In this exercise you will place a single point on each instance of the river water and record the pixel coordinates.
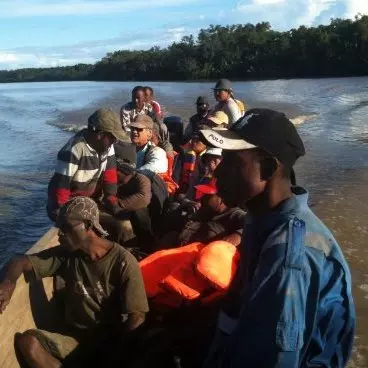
(36, 119)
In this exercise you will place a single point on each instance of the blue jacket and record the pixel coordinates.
(296, 307)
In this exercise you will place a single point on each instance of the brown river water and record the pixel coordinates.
(331, 115)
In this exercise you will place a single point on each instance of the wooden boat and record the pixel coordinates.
(30, 306)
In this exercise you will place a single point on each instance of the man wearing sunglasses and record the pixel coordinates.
(104, 295)
(151, 159)
(86, 164)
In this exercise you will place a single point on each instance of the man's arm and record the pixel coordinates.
(13, 270)
(141, 198)
(125, 117)
(273, 320)
(133, 294)
(110, 181)
(233, 111)
(59, 188)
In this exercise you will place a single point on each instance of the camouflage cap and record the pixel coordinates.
(106, 120)
(81, 209)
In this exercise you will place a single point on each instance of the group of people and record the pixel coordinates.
(122, 191)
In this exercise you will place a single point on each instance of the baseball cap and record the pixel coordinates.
(213, 151)
(203, 189)
(126, 157)
(267, 129)
(81, 209)
(223, 84)
(202, 100)
(143, 122)
(106, 120)
(219, 117)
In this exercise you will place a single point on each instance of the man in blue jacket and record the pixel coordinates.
(291, 304)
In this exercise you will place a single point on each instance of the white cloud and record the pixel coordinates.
(285, 14)
(313, 8)
(24, 8)
(88, 52)
(7, 57)
(353, 7)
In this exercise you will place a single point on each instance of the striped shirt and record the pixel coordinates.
(81, 170)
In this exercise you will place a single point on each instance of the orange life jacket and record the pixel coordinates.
(193, 272)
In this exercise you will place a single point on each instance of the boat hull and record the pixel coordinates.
(30, 306)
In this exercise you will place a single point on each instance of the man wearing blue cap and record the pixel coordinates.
(291, 304)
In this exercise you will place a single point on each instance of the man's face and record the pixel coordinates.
(106, 140)
(140, 136)
(123, 178)
(210, 162)
(202, 108)
(221, 95)
(139, 99)
(239, 177)
(72, 235)
(147, 95)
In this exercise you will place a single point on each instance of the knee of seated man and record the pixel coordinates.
(27, 343)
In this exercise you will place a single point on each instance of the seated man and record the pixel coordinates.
(209, 162)
(104, 296)
(190, 171)
(86, 164)
(137, 106)
(197, 119)
(148, 92)
(151, 159)
(210, 221)
(134, 194)
(292, 304)
(223, 93)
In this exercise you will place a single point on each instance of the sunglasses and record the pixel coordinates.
(134, 129)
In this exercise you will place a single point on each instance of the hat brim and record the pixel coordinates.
(226, 139)
(61, 220)
(140, 125)
(216, 121)
(100, 229)
(120, 135)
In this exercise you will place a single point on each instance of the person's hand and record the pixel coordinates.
(6, 292)
(233, 238)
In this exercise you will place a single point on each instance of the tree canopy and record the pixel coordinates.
(243, 51)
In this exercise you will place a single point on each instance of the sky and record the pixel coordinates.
(40, 33)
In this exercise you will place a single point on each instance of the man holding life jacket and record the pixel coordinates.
(223, 93)
(214, 220)
(296, 306)
(104, 297)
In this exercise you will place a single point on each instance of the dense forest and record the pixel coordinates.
(236, 52)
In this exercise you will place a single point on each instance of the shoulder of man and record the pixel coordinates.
(76, 145)
(128, 106)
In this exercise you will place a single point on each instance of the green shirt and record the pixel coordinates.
(98, 292)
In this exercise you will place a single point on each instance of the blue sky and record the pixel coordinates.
(37, 33)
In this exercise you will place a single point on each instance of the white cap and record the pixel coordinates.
(214, 151)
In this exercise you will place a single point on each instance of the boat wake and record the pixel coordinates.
(298, 120)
